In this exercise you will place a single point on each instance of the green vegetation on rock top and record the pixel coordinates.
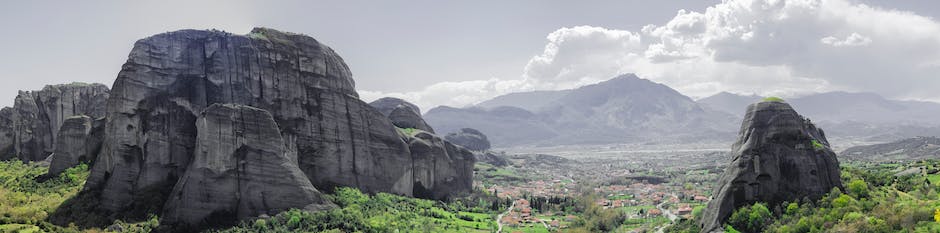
(773, 99)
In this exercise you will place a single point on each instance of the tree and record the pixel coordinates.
(751, 218)
(858, 188)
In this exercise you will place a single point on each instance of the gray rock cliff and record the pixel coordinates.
(779, 156)
(441, 169)
(240, 169)
(155, 134)
(37, 115)
(6, 134)
(78, 140)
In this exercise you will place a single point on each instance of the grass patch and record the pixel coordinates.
(409, 131)
(817, 145)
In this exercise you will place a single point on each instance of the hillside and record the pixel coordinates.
(866, 116)
(910, 149)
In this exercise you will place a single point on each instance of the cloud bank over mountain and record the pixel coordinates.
(767, 47)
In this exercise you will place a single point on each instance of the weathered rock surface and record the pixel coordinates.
(401, 113)
(171, 78)
(240, 169)
(37, 115)
(779, 156)
(441, 169)
(6, 133)
(469, 138)
(78, 140)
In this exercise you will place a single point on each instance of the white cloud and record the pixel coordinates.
(770, 47)
(852, 40)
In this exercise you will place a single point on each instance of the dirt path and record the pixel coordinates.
(499, 217)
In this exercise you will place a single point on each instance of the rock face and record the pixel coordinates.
(779, 156)
(441, 169)
(469, 138)
(401, 113)
(78, 140)
(6, 134)
(163, 137)
(38, 115)
(240, 169)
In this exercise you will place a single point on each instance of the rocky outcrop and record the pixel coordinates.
(441, 169)
(469, 138)
(241, 168)
(401, 113)
(78, 140)
(38, 115)
(154, 138)
(6, 133)
(779, 156)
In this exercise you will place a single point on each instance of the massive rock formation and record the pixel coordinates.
(37, 115)
(78, 140)
(240, 169)
(6, 133)
(155, 139)
(779, 156)
(401, 113)
(469, 138)
(441, 169)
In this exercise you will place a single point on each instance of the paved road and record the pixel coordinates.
(669, 215)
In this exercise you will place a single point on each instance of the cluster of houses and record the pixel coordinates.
(618, 196)
(522, 214)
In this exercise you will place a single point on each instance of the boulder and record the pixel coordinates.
(401, 113)
(441, 169)
(469, 138)
(386, 105)
(241, 169)
(78, 140)
(169, 79)
(38, 115)
(779, 156)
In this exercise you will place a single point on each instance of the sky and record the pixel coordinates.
(460, 53)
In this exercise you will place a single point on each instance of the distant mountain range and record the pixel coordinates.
(623, 109)
(906, 149)
(628, 109)
(844, 114)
